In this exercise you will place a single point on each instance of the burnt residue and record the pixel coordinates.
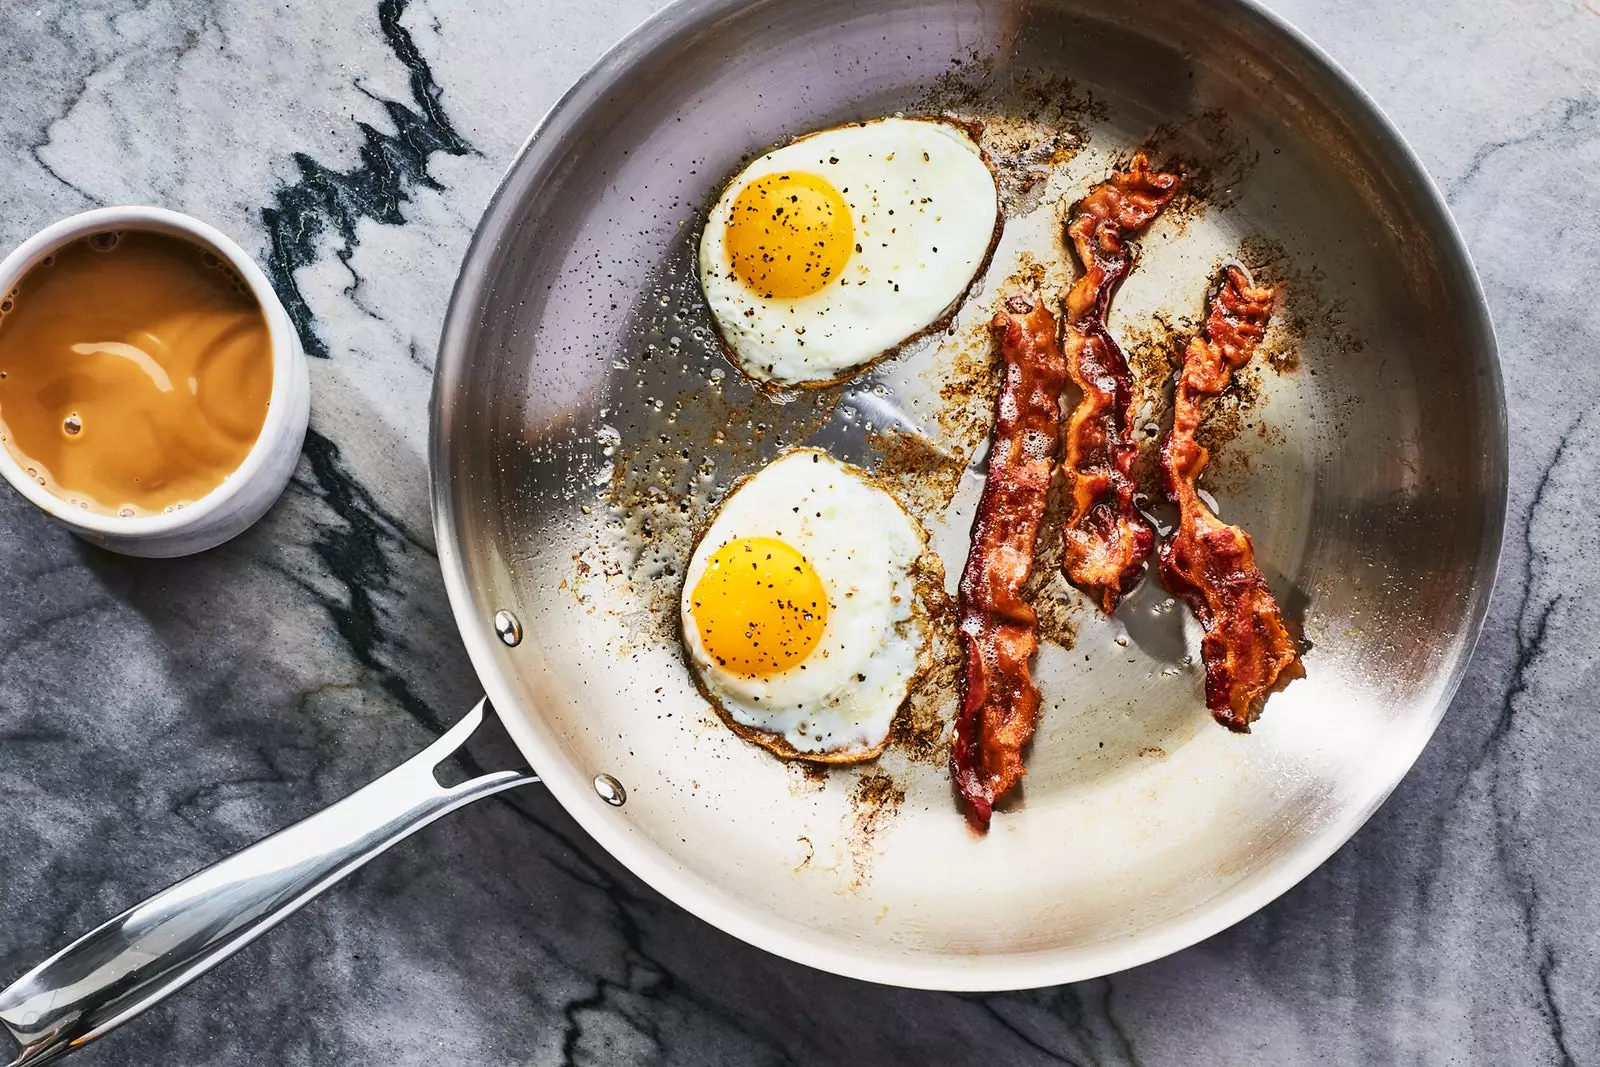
(806, 779)
(921, 729)
(1155, 353)
(1055, 602)
(1229, 415)
(1032, 123)
(1212, 158)
(1302, 308)
(1058, 606)
(916, 472)
(1226, 418)
(968, 384)
(874, 802)
(1029, 276)
(1284, 360)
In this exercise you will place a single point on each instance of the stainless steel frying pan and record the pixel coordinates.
(583, 422)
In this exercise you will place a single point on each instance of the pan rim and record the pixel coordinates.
(964, 973)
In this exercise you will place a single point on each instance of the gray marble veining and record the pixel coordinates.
(156, 715)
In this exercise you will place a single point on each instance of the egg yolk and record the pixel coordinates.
(789, 234)
(759, 606)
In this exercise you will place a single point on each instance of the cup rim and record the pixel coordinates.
(284, 346)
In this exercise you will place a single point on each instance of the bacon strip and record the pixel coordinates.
(1209, 564)
(998, 627)
(1106, 539)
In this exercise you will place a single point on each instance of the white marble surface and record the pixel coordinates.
(154, 716)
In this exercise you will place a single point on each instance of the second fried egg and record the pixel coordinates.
(800, 615)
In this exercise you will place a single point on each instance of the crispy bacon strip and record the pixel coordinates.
(1209, 564)
(998, 627)
(1106, 539)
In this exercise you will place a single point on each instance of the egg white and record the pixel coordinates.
(875, 639)
(924, 207)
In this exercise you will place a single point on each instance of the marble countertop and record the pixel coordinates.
(155, 716)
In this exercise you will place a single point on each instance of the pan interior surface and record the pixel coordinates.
(585, 423)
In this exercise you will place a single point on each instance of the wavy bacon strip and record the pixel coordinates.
(1106, 539)
(1208, 563)
(999, 627)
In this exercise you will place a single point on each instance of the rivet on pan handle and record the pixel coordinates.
(156, 948)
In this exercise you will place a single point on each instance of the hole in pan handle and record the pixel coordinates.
(155, 948)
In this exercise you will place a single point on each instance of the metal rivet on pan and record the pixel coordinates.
(507, 626)
(610, 790)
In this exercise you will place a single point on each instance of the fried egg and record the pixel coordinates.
(833, 251)
(800, 615)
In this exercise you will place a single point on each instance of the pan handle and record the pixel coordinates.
(128, 964)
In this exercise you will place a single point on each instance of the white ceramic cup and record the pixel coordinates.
(230, 508)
